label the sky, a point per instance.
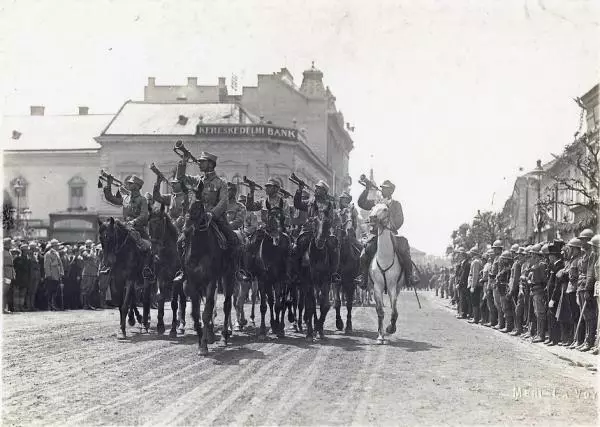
(448, 98)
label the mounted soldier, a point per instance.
(320, 205)
(274, 197)
(396, 220)
(236, 211)
(135, 213)
(346, 219)
(250, 219)
(177, 202)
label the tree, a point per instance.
(583, 155)
(7, 206)
(486, 228)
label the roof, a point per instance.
(51, 133)
(153, 118)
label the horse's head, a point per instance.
(112, 236)
(322, 225)
(275, 221)
(380, 216)
(161, 228)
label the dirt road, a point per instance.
(67, 368)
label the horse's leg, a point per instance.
(174, 306)
(271, 300)
(228, 293)
(254, 294)
(120, 300)
(131, 316)
(160, 301)
(146, 300)
(182, 307)
(207, 317)
(262, 332)
(325, 305)
(301, 306)
(280, 309)
(349, 289)
(339, 323)
(309, 307)
(378, 293)
(393, 293)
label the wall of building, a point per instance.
(48, 175)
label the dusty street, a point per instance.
(68, 368)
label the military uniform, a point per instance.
(538, 296)
(396, 218)
(261, 206)
(314, 208)
(475, 286)
(502, 284)
(177, 203)
(587, 302)
(495, 292)
(489, 293)
(554, 291)
(572, 296)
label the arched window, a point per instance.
(19, 188)
(77, 193)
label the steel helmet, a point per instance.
(536, 249)
(586, 234)
(506, 255)
(522, 251)
(545, 249)
(575, 243)
(498, 244)
(595, 241)
(514, 248)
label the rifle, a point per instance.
(251, 184)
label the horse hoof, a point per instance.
(211, 339)
(339, 324)
(390, 329)
(160, 329)
(173, 333)
(203, 351)
(131, 321)
(348, 331)
(322, 335)
(121, 335)
(380, 341)
(239, 328)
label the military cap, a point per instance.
(497, 245)
(489, 252)
(387, 184)
(208, 156)
(24, 247)
(54, 242)
(522, 250)
(595, 241)
(474, 251)
(575, 243)
(322, 184)
(506, 255)
(514, 248)
(536, 249)
(272, 182)
(586, 234)
(134, 179)
(89, 242)
(346, 195)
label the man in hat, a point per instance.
(214, 199)
(36, 277)
(89, 276)
(475, 285)
(319, 205)
(54, 272)
(462, 277)
(556, 264)
(594, 283)
(272, 187)
(236, 212)
(497, 247)
(513, 292)
(346, 213)
(135, 213)
(538, 286)
(396, 220)
(575, 248)
(8, 271)
(585, 290)
(178, 201)
(22, 265)
(502, 286)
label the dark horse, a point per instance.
(205, 262)
(163, 235)
(121, 255)
(320, 271)
(349, 266)
(268, 262)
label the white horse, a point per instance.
(385, 271)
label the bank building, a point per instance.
(51, 162)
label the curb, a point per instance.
(574, 357)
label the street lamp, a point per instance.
(539, 173)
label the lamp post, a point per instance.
(26, 217)
(539, 214)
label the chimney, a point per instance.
(192, 81)
(222, 87)
(151, 81)
(83, 111)
(37, 110)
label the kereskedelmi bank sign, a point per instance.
(247, 131)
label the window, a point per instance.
(76, 193)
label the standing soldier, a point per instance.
(178, 201)
(396, 220)
(492, 314)
(594, 281)
(556, 264)
(502, 281)
(575, 246)
(135, 213)
(464, 267)
(8, 273)
(585, 291)
(54, 272)
(523, 312)
(538, 286)
(514, 295)
(497, 248)
(475, 285)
